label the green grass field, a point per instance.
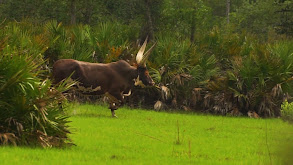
(149, 137)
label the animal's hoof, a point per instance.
(113, 114)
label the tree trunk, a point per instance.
(150, 22)
(252, 1)
(192, 27)
(88, 12)
(73, 12)
(228, 11)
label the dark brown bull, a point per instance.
(115, 79)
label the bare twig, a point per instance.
(189, 149)
(148, 136)
(178, 133)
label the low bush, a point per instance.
(287, 111)
(30, 112)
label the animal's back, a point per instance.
(90, 73)
(64, 68)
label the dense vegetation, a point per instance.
(29, 106)
(185, 17)
(218, 57)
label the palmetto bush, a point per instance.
(261, 80)
(224, 73)
(221, 72)
(105, 42)
(112, 41)
(169, 65)
(59, 42)
(254, 77)
(29, 107)
(30, 112)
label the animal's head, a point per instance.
(143, 79)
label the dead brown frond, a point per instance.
(13, 123)
(165, 92)
(186, 108)
(174, 102)
(43, 139)
(196, 94)
(217, 84)
(186, 76)
(235, 112)
(179, 79)
(277, 90)
(207, 100)
(222, 104)
(48, 141)
(8, 138)
(237, 61)
(252, 114)
(3, 43)
(159, 105)
(267, 106)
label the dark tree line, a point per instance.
(185, 16)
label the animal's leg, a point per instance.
(113, 113)
(113, 107)
(115, 102)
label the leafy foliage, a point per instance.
(226, 72)
(221, 71)
(287, 111)
(30, 107)
(184, 16)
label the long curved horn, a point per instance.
(141, 58)
(146, 55)
(139, 55)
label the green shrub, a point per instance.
(29, 108)
(221, 71)
(287, 111)
(30, 112)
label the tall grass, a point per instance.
(149, 137)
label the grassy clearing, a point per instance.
(148, 137)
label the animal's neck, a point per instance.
(133, 73)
